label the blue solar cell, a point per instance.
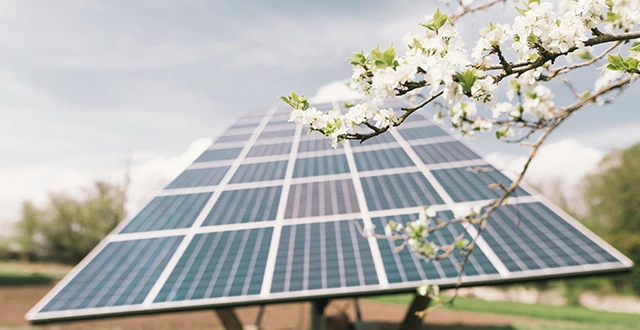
(278, 134)
(210, 176)
(399, 191)
(233, 138)
(379, 139)
(444, 152)
(422, 132)
(321, 198)
(316, 145)
(314, 166)
(465, 184)
(541, 239)
(219, 154)
(223, 264)
(406, 266)
(381, 159)
(246, 205)
(269, 149)
(321, 256)
(122, 273)
(244, 124)
(260, 172)
(168, 212)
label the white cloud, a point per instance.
(335, 91)
(35, 183)
(562, 164)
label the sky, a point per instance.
(87, 85)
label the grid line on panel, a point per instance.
(219, 154)
(444, 196)
(465, 184)
(121, 274)
(245, 205)
(323, 165)
(232, 137)
(269, 149)
(337, 257)
(210, 176)
(303, 199)
(168, 212)
(422, 132)
(206, 210)
(282, 204)
(444, 152)
(381, 159)
(267, 171)
(399, 191)
(216, 265)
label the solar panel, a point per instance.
(270, 213)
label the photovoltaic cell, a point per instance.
(277, 134)
(121, 274)
(444, 152)
(399, 191)
(314, 166)
(222, 264)
(315, 145)
(323, 255)
(168, 212)
(233, 138)
(219, 154)
(405, 266)
(245, 205)
(466, 184)
(210, 176)
(381, 159)
(541, 239)
(423, 132)
(260, 172)
(269, 149)
(321, 198)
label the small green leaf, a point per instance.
(502, 132)
(611, 17)
(585, 55)
(467, 79)
(616, 62)
(286, 100)
(461, 243)
(635, 48)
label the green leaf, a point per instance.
(461, 243)
(616, 62)
(467, 79)
(585, 55)
(502, 132)
(635, 48)
(611, 17)
(389, 55)
(631, 65)
(286, 100)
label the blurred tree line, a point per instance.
(66, 228)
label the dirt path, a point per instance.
(16, 301)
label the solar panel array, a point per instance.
(270, 213)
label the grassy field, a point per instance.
(578, 317)
(20, 273)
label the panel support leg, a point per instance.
(259, 316)
(358, 312)
(411, 320)
(229, 319)
(318, 320)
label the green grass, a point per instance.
(19, 273)
(588, 319)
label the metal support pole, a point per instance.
(318, 320)
(229, 319)
(259, 316)
(358, 312)
(411, 320)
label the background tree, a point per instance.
(67, 228)
(613, 197)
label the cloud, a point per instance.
(335, 91)
(562, 164)
(35, 183)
